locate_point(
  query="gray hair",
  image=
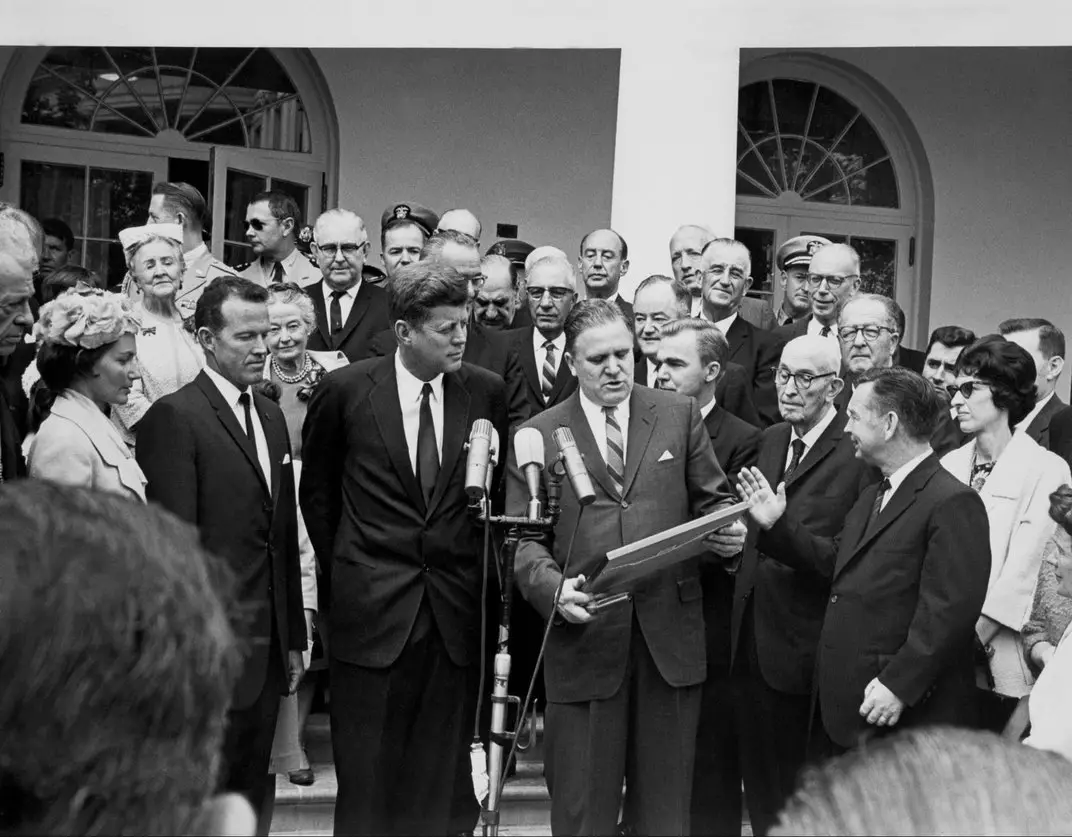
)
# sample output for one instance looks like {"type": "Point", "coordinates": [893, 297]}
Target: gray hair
{"type": "Point", "coordinates": [136, 246]}
{"type": "Point", "coordinates": [894, 314]}
{"type": "Point", "coordinates": [562, 264]}
{"type": "Point", "coordinates": [677, 287]}
{"type": "Point", "coordinates": [287, 293]}
{"type": "Point", "coordinates": [342, 215]}
{"type": "Point", "coordinates": [729, 242]}
{"type": "Point", "coordinates": [542, 252]}
{"type": "Point", "coordinates": [825, 352]}
{"type": "Point", "coordinates": [503, 261]}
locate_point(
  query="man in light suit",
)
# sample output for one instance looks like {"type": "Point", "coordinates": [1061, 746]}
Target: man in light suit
{"type": "Point", "coordinates": [349, 310]}
{"type": "Point", "coordinates": [777, 607]}
{"type": "Point", "coordinates": [623, 686]}
{"type": "Point", "coordinates": [383, 495]}
{"type": "Point", "coordinates": [908, 573]}
{"type": "Point", "coordinates": [690, 357]}
{"type": "Point", "coordinates": [221, 460]}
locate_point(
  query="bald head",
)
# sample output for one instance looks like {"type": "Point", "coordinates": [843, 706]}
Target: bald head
{"type": "Point", "coordinates": [817, 351]}
{"type": "Point", "coordinates": [686, 248]}
{"type": "Point", "coordinates": [461, 220]}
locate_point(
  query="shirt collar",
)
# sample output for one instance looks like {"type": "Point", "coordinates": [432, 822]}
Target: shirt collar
{"type": "Point", "coordinates": [196, 253]}
{"type": "Point", "coordinates": [812, 436]}
{"type": "Point", "coordinates": [594, 412]}
{"type": "Point", "coordinates": [410, 387]}
{"type": "Point", "coordinates": [724, 325]}
{"type": "Point", "coordinates": [286, 261]}
{"type": "Point", "coordinates": [350, 293]}
{"type": "Point", "coordinates": [706, 409]}
{"type": "Point", "coordinates": [1030, 417]}
{"type": "Point", "coordinates": [901, 474]}
{"type": "Point", "coordinates": [538, 340]}
{"type": "Point", "coordinates": [227, 389]}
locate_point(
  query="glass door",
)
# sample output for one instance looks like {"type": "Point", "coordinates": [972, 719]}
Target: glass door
{"type": "Point", "coordinates": [238, 175]}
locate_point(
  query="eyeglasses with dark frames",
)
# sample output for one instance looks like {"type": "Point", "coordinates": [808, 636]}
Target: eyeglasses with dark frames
{"type": "Point", "coordinates": [803, 380]}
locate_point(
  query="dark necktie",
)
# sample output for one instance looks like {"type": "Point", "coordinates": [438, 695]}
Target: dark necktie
{"type": "Point", "coordinates": [547, 376]}
{"type": "Point", "coordinates": [824, 331]}
{"type": "Point", "coordinates": [243, 399]}
{"type": "Point", "coordinates": [794, 462]}
{"type": "Point", "coordinates": [427, 453]}
{"type": "Point", "coordinates": [876, 507]}
{"type": "Point", "coordinates": [336, 312]}
{"type": "Point", "coordinates": [615, 450]}
{"type": "Point", "coordinates": [277, 273]}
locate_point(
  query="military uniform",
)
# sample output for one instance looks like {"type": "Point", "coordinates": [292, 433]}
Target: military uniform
{"type": "Point", "coordinates": [297, 267]}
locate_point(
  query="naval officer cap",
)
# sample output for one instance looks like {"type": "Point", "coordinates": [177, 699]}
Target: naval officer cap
{"type": "Point", "coordinates": [797, 252]}
{"type": "Point", "coordinates": [422, 216]}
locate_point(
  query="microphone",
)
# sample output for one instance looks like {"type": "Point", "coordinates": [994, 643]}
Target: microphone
{"type": "Point", "coordinates": [528, 450]}
{"type": "Point", "coordinates": [576, 471]}
{"type": "Point", "coordinates": [476, 464]}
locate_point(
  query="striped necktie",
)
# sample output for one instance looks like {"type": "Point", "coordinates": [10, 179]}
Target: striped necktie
{"type": "Point", "coordinates": [615, 450]}
{"type": "Point", "coordinates": [547, 375]}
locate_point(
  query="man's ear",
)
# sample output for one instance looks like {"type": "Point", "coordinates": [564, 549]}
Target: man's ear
{"type": "Point", "coordinates": [1057, 365]}
{"type": "Point", "coordinates": [228, 814]}
{"type": "Point", "coordinates": [712, 371]}
{"type": "Point", "coordinates": [625, 266]}
{"type": "Point", "coordinates": [836, 386]}
{"type": "Point", "coordinates": [207, 339]}
{"type": "Point", "coordinates": [403, 332]}
{"type": "Point", "coordinates": [568, 356]}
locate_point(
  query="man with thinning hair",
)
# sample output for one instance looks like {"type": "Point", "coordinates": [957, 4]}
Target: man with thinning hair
{"type": "Point", "coordinates": [604, 260]}
{"type": "Point", "coordinates": [273, 220]}
{"type": "Point", "coordinates": [349, 310]}
{"type": "Point", "coordinates": [383, 495]}
{"type": "Point", "coordinates": [496, 303]}
{"type": "Point", "coordinates": [463, 221]}
{"type": "Point", "coordinates": [1046, 344]}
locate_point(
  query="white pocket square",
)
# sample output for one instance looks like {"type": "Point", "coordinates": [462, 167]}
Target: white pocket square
{"type": "Point", "coordinates": [286, 459]}
{"type": "Point", "coordinates": [666, 457]}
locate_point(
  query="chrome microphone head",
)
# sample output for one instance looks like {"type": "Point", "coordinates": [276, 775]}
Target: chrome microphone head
{"type": "Point", "coordinates": [573, 462]}
{"type": "Point", "coordinates": [476, 463]}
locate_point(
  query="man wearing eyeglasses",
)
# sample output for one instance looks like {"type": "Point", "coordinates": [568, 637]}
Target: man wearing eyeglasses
{"type": "Point", "coordinates": [726, 266]}
{"type": "Point", "coordinates": [272, 223]}
{"type": "Point", "coordinates": [349, 311]}
{"type": "Point", "coordinates": [867, 330]}
{"type": "Point", "coordinates": [832, 278]}
{"type": "Point", "coordinates": [496, 302]}
{"type": "Point", "coordinates": [778, 607]}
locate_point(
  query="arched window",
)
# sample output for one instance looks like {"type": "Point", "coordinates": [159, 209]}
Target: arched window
{"type": "Point", "coordinates": [818, 151]}
{"type": "Point", "coordinates": [97, 126]}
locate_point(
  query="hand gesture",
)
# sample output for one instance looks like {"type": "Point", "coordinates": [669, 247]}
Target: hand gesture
{"type": "Point", "coordinates": [727, 541]}
{"type": "Point", "coordinates": [767, 505]}
{"type": "Point", "coordinates": [881, 707]}
{"type": "Point", "coordinates": [572, 600]}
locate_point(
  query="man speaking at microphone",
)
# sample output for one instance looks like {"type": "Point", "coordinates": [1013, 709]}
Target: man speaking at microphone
{"type": "Point", "coordinates": [384, 496]}
{"type": "Point", "coordinates": [623, 685]}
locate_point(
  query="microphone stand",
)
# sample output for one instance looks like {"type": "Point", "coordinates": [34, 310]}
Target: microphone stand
{"type": "Point", "coordinates": [501, 739]}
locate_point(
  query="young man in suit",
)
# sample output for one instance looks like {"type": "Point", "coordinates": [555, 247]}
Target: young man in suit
{"type": "Point", "coordinates": [220, 459]}
{"type": "Point", "coordinates": [690, 358]}
{"type": "Point", "coordinates": [727, 275]}
{"type": "Point", "coordinates": [623, 687]}
{"type": "Point", "coordinates": [908, 574]}
{"type": "Point", "coordinates": [777, 608]}
{"type": "Point", "coordinates": [1046, 344]}
{"type": "Point", "coordinates": [383, 495]}
{"type": "Point", "coordinates": [349, 311]}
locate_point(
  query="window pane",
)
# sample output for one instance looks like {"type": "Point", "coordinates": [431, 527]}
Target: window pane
{"type": "Point", "coordinates": [877, 186]}
{"type": "Point", "coordinates": [106, 259]}
{"type": "Point", "coordinates": [751, 165]}
{"type": "Point", "coordinates": [760, 244]}
{"type": "Point", "coordinates": [800, 165]}
{"type": "Point", "coordinates": [746, 187]}
{"type": "Point", "coordinates": [117, 200]}
{"type": "Point", "coordinates": [236, 254]}
{"type": "Point", "coordinates": [241, 187]}
{"type": "Point", "coordinates": [832, 114]}
{"type": "Point", "coordinates": [51, 191]}
{"type": "Point", "coordinates": [878, 265]}
{"type": "Point", "coordinates": [753, 109]}
{"type": "Point", "coordinates": [793, 99]}
{"type": "Point", "coordinates": [827, 186]}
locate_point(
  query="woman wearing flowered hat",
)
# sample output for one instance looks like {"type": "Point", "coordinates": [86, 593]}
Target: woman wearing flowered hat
{"type": "Point", "coordinates": [169, 355]}
{"type": "Point", "coordinates": [87, 358]}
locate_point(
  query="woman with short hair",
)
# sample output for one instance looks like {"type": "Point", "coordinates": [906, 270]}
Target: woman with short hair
{"type": "Point", "coordinates": [994, 391]}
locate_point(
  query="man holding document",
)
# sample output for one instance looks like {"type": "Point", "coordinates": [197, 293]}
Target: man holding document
{"type": "Point", "coordinates": [623, 683]}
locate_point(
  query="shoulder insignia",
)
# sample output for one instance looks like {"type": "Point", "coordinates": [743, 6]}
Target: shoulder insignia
{"type": "Point", "coordinates": [238, 268]}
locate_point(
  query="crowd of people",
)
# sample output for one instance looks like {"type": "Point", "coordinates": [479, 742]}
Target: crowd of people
{"type": "Point", "coordinates": [905, 561]}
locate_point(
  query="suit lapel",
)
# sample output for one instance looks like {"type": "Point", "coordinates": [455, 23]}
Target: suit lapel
{"type": "Point", "coordinates": [824, 445]}
{"type": "Point", "coordinates": [772, 454]}
{"type": "Point", "coordinates": [642, 420]}
{"type": "Point", "coordinates": [388, 415]}
{"type": "Point", "coordinates": [230, 423]}
{"type": "Point", "coordinates": [455, 421]}
{"type": "Point", "coordinates": [357, 313]}
{"type": "Point", "coordinates": [737, 336]}
{"type": "Point", "coordinates": [316, 293]}
{"type": "Point", "coordinates": [562, 380]}
{"type": "Point", "coordinates": [586, 444]}
{"type": "Point", "coordinates": [714, 421]}
{"type": "Point", "coordinates": [275, 439]}
{"type": "Point", "coordinates": [528, 362]}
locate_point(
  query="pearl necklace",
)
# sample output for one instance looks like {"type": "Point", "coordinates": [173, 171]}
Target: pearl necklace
{"type": "Point", "coordinates": [293, 379]}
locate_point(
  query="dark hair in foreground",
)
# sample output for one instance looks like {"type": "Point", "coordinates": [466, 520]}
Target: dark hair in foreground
{"type": "Point", "coordinates": [951, 336]}
{"type": "Point", "coordinates": [209, 311]}
{"type": "Point", "coordinates": [418, 288]}
{"type": "Point", "coordinates": [117, 662]}
{"type": "Point", "coordinates": [902, 391]}
{"type": "Point", "coordinates": [281, 205]}
{"type": "Point", "coordinates": [936, 780]}
{"type": "Point", "coordinates": [592, 313]}
{"type": "Point", "coordinates": [1008, 369]}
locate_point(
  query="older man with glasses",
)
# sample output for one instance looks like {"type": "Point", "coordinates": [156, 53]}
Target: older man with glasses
{"type": "Point", "coordinates": [832, 279]}
{"type": "Point", "coordinates": [869, 337]}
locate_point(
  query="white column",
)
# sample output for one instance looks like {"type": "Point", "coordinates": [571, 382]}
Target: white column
{"type": "Point", "coordinates": [675, 152]}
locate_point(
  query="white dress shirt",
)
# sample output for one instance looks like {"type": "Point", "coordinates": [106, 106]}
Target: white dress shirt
{"type": "Point", "coordinates": [597, 421]}
{"type": "Point", "coordinates": [706, 409]}
{"type": "Point", "coordinates": [724, 325]}
{"type": "Point", "coordinates": [410, 388]}
{"type": "Point", "coordinates": [230, 394]}
{"type": "Point", "coordinates": [901, 474]}
{"type": "Point", "coordinates": [812, 436]}
{"type": "Point", "coordinates": [541, 353]}
{"type": "Point", "coordinates": [697, 306]}
{"type": "Point", "coordinates": [653, 371]}
{"type": "Point", "coordinates": [1025, 422]}
{"type": "Point", "coordinates": [346, 301]}
{"type": "Point", "coordinates": [816, 328]}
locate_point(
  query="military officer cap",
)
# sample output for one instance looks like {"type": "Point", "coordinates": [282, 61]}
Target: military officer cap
{"type": "Point", "coordinates": [511, 248]}
{"type": "Point", "coordinates": [797, 252]}
{"type": "Point", "coordinates": [422, 216]}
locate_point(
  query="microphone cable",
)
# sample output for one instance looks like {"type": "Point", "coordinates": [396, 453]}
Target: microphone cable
{"type": "Point", "coordinates": [539, 657]}
{"type": "Point", "coordinates": [477, 742]}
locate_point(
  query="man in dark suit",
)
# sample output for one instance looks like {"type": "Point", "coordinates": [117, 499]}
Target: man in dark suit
{"type": "Point", "coordinates": [832, 278]}
{"type": "Point", "coordinates": [604, 261]}
{"type": "Point", "coordinates": [349, 311]}
{"type": "Point", "coordinates": [220, 459]}
{"type": "Point", "coordinates": [908, 573]}
{"type": "Point", "coordinates": [496, 303]}
{"type": "Point", "coordinates": [383, 494]}
{"type": "Point", "coordinates": [16, 320]}
{"type": "Point", "coordinates": [778, 608]}
{"type": "Point", "coordinates": [939, 369]}
{"type": "Point", "coordinates": [623, 687]}
{"type": "Point", "coordinates": [690, 357]}
{"type": "Point", "coordinates": [727, 275]}
{"type": "Point", "coordinates": [1046, 344]}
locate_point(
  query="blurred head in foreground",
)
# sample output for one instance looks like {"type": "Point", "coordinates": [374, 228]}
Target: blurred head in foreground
{"type": "Point", "coordinates": [117, 662]}
{"type": "Point", "coordinates": [934, 781]}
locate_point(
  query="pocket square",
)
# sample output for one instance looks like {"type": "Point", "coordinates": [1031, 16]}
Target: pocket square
{"type": "Point", "coordinates": [286, 459]}
{"type": "Point", "coordinates": [666, 457]}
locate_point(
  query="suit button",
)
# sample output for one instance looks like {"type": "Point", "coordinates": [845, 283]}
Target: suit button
{"type": "Point", "coordinates": [625, 504]}
{"type": "Point", "coordinates": [425, 568]}
{"type": "Point", "coordinates": [833, 599]}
